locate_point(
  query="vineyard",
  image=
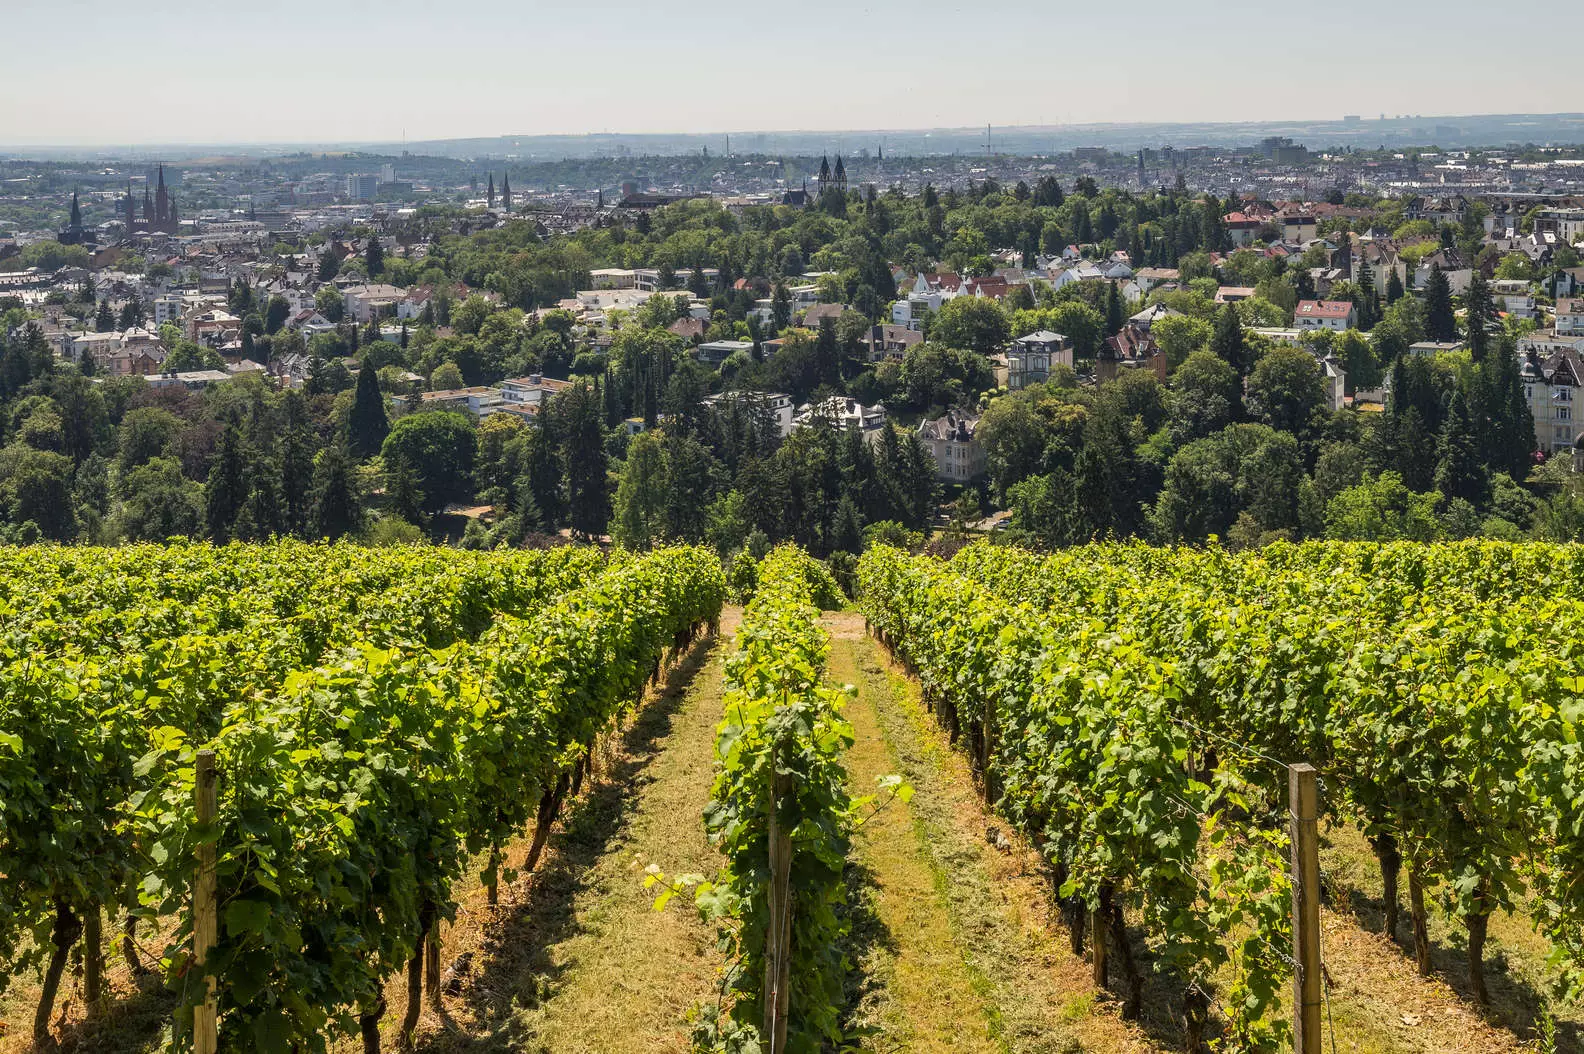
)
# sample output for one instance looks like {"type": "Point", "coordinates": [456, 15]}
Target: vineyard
{"type": "Point", "coordinates": [1131, 709]}
{"type": "Point", "coordinates": [272, 774]}
{"type": "Point", "coordinates": [373, 717]}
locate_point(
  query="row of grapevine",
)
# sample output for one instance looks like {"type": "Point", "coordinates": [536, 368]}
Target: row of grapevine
{"type": "Point", "coordinates": [781, 815]}
{"type": "Point", "coordinates": [1073, 723]}
{"type": "Point", "coordinates": [378, 716]}
{"type": "Point", "coordinates": [1436, 687]}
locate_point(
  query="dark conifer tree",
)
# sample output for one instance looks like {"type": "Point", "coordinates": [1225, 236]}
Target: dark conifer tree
{"type": "Point", "coordinates": [1479, 313]}
{"type": "Point", "coordinates": [227, 489]}
{"type": "Point", "coordinates": [1394, 287]}
{"type": "Point", "coordinates": [1440, 322]}
{"type": "Point", "coordinates": [1459, 471]}
{"type": "Point", "coordinates": [335, 510]}
{"type": "Point", "coordinates": [367, 423]}
{"type": "Point", "coordinates": [1227, 341]}
{"type": "Point", "coordinates": [1115, 318]}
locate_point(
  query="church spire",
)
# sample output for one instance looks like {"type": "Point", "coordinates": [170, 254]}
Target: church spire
{"type": "Point", "coordinates": [76, 212]}
{"type": "Point", "coordinates": [162, 203]}
{"type": "Point", "coordinates": [506, 191]}
{"type": "Point", "coordinates": [489, 197]}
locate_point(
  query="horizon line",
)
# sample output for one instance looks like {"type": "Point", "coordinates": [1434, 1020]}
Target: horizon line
{"type": "Point", "coordinates": [1359, 120]}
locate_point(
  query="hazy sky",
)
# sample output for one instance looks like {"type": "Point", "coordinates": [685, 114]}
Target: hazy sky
{"type": "Point", "coordinates": [125, 71]}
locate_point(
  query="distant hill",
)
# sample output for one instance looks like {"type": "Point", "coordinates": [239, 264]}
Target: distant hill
{"type": "Point", "coordinates": [1481, 130]}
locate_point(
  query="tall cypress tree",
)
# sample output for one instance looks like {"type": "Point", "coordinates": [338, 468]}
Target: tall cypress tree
{"type": "Point", "coordinates": [1227, 341]}
{"type": "Point", "coordinates": [1440, 322]}
{"type": "Point", "coordinates": [1114, 316]}
{"type": "Point", "coordinates": [367, 424]}
{"type": "Point", "coordinates": [1415, 449]}
{"type": "Point", "coordinates": [827, 357]}
{"type": "Point", "coordinates": [1479, 311]}
{"type": "Point", "coordinates": [583, 459]}
{"type": "Point", "coordinates": [1394, 287]}
{"type": "Point", "coordinates": [296, 465]}
{"type": "Point", "coordinates": [1459, 472]}
{"type": "Point", "coordinates": [374, 256]}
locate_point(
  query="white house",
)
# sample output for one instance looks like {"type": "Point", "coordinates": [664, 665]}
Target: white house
{"type": "Point", "coordinates": [953, 441]}
{"type": "Point", "coordinates": [1150, 277]}
{"type": "Point", "coordinates": [843, 413]}
{"type": "Point", "coordinates": [363, 302]}
{"type": "Point", "coordinates": [1570, 316]}
{"type": "Point", "coordinates": [778, 406]}
{"type": "Point", "coordinates": [1458, 273]}
{"type": "Point", "coordinates": [1335, 382]}
{"type": "Point", "coordinates": [533, 390]}
{"type": "Point", "coordinates": [1335, 315]}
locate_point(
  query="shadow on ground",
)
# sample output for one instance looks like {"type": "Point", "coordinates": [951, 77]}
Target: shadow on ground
{"type": "Point", "coordinates": [518, 971]}
{"type": "Point", "coordinates": [1515, 1002]}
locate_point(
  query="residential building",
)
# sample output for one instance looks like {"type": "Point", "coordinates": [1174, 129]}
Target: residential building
{"type": "Point", "coordinates": [363, 302]}
{"type": "Point", "coordinates": [1335, 379]}
{"type": "Point", "coordinates": [887, 341]}
{"type": "Point", "coordinates": [1437, 210]}
{"type": "Point", "coordinates": [1131, 348]}
{"type": "Point", "coordinates": [715, 352]}
{"type": "Point", "coordinates": [776, 406]}
{"type": "Point", "coordinates": [1031, 358]}
{"type": "Point", "coordinates": [1570, 316]}
{"type": "Point", "coordinates": [1435, 347]}
{"type": "Point", "coordinates": [1566, 223]}
{"type": "Point", "coordinates": [1242, 230]}
{"type": "Point", "coordinates": [479, 400]}
{"type": "Point", "coordinates": [1150, 277]}
{"type": "Point", "coordinates": [533, 390]}
{"type": "Point", "coordinates": [1458, 273]}
{"type": "Point", "coordinates": [954, 443]}
{"type": "Point", "coordinates": [1325, 314]}
{"type": "Point", "coordinates": [1551, 387]}
{"type": "Point", "coordinates": [843, 413]}
{"type": "Point", "coordinates": [310, 323]}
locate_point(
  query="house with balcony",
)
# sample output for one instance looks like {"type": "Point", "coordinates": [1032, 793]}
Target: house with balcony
{"type": "Point", "coordinates": [1030, 358]}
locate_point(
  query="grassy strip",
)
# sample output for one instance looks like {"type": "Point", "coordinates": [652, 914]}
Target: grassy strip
{"type": "Point", "coordinates": [1036, 996]}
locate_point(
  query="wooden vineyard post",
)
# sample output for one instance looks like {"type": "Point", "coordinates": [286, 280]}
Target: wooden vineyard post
{"type": "Point", "coordinates": [205, 1019]}
{"type": "Point", "coordinates": [778, 942]}
{"type": "Point", "coordinates": [1304, 800]}
{"type": "Point", "coordinates": [1097, 948]}
{"type": "Point", "coordinates": [987, 747]}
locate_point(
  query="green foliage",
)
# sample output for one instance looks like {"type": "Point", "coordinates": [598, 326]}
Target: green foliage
{"type": "Point", "coordinates": [436, 450]}
{"type": "Point", "coordinates": [379, 716]}
{"type": "Point", "coordinates": [779, 748]}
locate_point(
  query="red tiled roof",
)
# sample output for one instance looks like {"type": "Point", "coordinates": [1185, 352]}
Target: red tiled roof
{"type": "Point", "coordinates": [1323, 309]}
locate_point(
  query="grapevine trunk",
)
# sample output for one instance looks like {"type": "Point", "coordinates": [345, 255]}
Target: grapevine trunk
{"type": "Point", "coordinates": [68, 927]}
